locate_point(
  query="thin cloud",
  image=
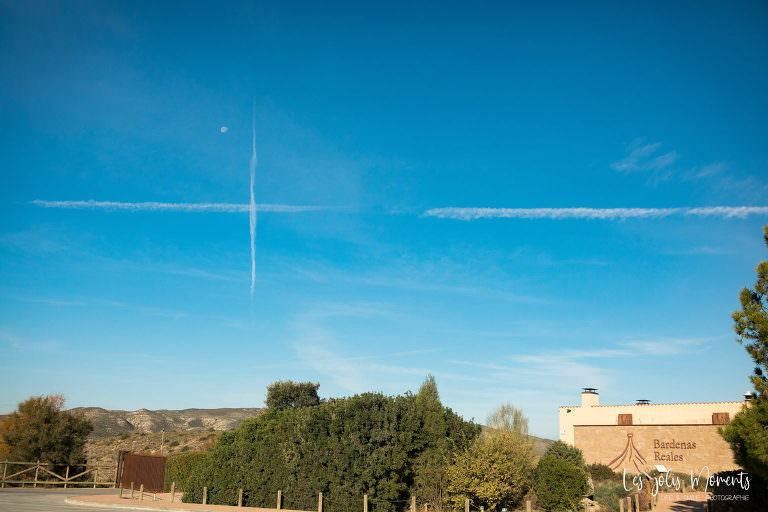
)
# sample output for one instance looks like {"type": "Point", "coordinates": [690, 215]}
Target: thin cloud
{"type": "Point", "coordinates": [52, 302]}
{"type": "Point", "coordinates": [593, 213]}
{"type": "Point", "coordinates": [180, 207]}
{"type": "Point", "coordinates": [645, 158]}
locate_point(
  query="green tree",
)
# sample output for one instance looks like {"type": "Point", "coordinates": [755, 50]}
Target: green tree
{"type": "Point", "coordinates": [508, 418]}
{"type": "Point", "coordinates": [39, 429]}
{"type": "Point", "coordinates": [751, 323]}
{"type": "Point", "coordinates": [559, 484]}
{"type": "Point", "coordinates": [495, 472]}
{"type": "Point", "coordinates": [747, 433]}
{"type": "Point", "coordinates": [343, 447]}
{"type": "Point", "coordinates": [441, 432]}
{"type": "Point", "coordinates": [566, 452]}
{"type": "Point", "coordinates": [286, 394]}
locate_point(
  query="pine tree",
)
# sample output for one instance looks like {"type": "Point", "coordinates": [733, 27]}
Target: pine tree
{"type": "Point", "coordinates": [752, 323]}
{"type": "Point", "coordinates": [747, 433]}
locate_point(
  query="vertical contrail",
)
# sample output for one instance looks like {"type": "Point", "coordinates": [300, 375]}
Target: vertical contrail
{"type": "Point", "coordinates": [252, 204]}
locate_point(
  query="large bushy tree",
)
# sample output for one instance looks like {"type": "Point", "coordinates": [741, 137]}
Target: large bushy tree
{"type": "Point", "coordinates": [364, 444]}
{"type": "Point", "coordinates": [747, 433]}
{"type": "Point", "coordinates": [39, 429]}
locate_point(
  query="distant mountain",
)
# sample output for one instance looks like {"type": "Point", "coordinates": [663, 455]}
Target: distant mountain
{"type": "Point", "coordinates": [540, 445]}
{"type": "Point", "coordinates": [108, 423]}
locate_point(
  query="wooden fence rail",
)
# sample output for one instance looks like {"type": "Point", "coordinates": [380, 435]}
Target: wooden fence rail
{"type": "Point", "coordinates": [23, 476]}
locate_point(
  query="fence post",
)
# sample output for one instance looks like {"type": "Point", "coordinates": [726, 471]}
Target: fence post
{"type": "Point", "coordinates": [5, 469]}
{"type": "Point", "coordinates": [527, 505]}
{"type": "Point", "coordinates": [205, 495]}
{"type": "Point", "coordinates": [154, 496]}
{"type": "Point", "coordinates": [239, 497]}
{"type": "Point", "coordinates": [365, 503]}
{"type": "Point", "coordinates": [141, 492]}
{"type": "Point", "coordinates": [131, 490]}
{"type": "Point", "coordinates": [621, 505]}
{"type": "Point", "coordinates": [173, 491]}
{"type": "Point", "coordinates": [115, 482]}
{"type": "Point", "coordinates": [66, 477]}
{"type": "Point", "coordinates": [466, 505]}
{"type": "Point", "coordinates": [37, 468]}
{"type": "Point", "coordinates": [413, 503]}
{"type": "Point", "coordinates": [320, 502]}
{"type": "Point", "coordinates": [95, 470]}
{"type": "Point", "coordinates": [637, 501]}
{"type": "Point", "coordinates": [279, 499]}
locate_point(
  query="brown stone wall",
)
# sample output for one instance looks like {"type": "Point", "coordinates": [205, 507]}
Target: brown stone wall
{"type": "Point", "coordinates": [680, 448]}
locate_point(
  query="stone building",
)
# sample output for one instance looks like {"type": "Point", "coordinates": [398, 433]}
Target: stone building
{"type": "Point", "coordinates": [682, 437]}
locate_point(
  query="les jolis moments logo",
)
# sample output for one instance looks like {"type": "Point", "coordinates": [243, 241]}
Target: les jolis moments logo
{"type": "Point", "coordinates": [631, 456]}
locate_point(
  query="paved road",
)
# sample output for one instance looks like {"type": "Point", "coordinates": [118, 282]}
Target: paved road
{"type": "Point", "coordinates": [46, 500]}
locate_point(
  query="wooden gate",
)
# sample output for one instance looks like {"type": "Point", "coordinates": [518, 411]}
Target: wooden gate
{"type": "Point", "coordinates": [148, 470]}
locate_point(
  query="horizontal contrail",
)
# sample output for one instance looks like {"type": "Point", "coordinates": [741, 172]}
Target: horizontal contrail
{"type": "Point", "coordinates": [594, 213]}
{"type": "Point", "coordinates": [181, 207]}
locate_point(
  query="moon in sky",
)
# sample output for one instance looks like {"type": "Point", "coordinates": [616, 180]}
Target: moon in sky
{"type": "Point", "coordinates": [224, 129]}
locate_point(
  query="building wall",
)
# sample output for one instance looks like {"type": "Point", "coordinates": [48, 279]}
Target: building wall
{"type": "Point", "coordinates": [591, 413]}
{"type": "Point", "coordinates": [636, 448]}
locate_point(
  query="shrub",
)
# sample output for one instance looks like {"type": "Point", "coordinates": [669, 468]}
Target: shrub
{"type": "Point", "coordinates": [601, 472]}
{"type": "Point", "coordinates": [180, 467]}
{"type": "Point", "coordinates": [559, 484]}
{"type": "Point", "coordinates": [607, 495]}
{"type": "Point", "coordinates": [497, 470]}
{"type": "Point", "coordinates": [566, 452]}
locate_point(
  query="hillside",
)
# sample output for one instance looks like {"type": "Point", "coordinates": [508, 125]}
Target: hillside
{"type": "Point", "coordinates": [109, 423]}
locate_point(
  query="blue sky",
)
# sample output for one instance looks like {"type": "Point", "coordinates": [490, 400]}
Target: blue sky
{"type": "Point", "coordinates": [396, 123]}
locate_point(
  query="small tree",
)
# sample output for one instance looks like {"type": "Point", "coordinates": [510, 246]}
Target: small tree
{"type": "Point", "coordinates": [559, 484]}
{"type": "Point", "coordinates": [286, 394]}
{"type": "Point", "coordinates": [39, 429]}
{"type": "Point", "coordinates": [566, 452]}
{"type": "Point", "coordinates": [495, 472]}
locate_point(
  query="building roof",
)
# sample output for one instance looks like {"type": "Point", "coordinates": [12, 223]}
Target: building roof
{"type": "Point", "coordinates": [652, 404]}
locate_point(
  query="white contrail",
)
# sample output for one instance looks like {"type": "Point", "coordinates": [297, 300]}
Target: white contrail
{"type": "Point", "coordinates": [593, 213]}
{"type": "Point", "coordinates": [252, 204]}
{"type": "Point", "coordinates": [181, 207]}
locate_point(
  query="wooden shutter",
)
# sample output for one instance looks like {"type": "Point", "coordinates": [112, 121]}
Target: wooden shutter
{"type": "Point", "coordinates": [720, 418]}
{"type": "Point", "coordinates": [625, 419]}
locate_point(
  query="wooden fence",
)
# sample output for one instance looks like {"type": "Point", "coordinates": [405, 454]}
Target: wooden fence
{"type": "Point", "coordinates": [20, 474]}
